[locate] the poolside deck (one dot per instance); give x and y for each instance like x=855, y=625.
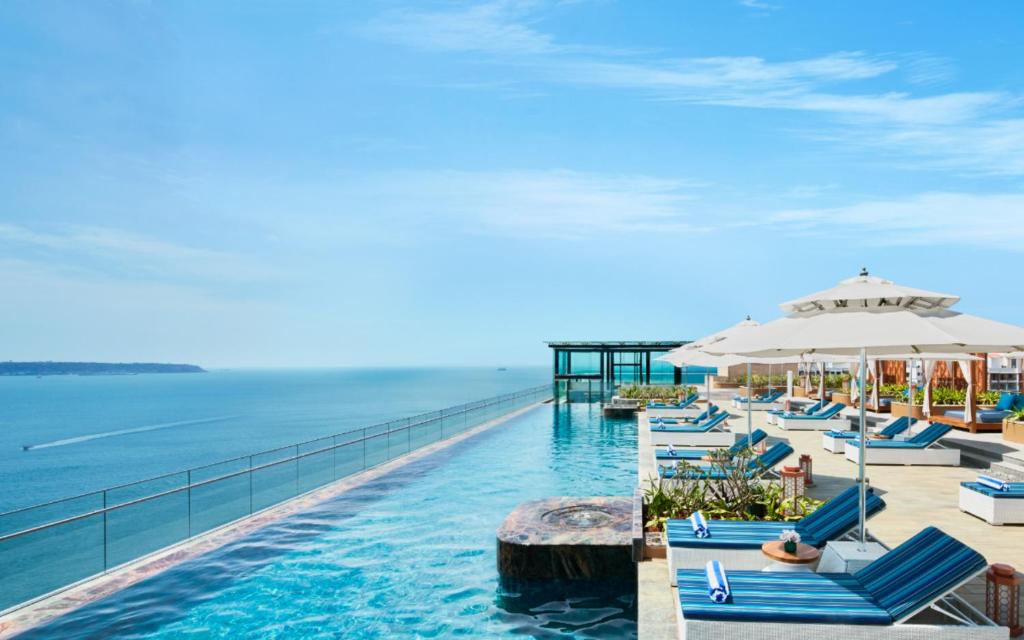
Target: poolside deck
x=924, y=496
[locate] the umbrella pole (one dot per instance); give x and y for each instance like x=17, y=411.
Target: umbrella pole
x=750, y=409
x=863, y=451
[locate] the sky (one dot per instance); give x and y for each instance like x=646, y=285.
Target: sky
x=272, y=184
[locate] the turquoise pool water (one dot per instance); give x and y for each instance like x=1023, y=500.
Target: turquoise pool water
x=409, y=555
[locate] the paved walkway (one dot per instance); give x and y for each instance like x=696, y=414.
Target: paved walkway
x=917, y=497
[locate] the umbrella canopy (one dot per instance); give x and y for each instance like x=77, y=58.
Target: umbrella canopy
x=873, y=316
x=868, y=291
x=881, y=331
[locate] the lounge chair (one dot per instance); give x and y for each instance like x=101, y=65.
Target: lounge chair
x=685, y=420
x=672, y=409
x=822, y=420
x=876, y=602
x=921, y=449
x=757, y=402
x=737, y=543
x=759, y=465
x=835, y=441
x=707, y=433
x=992, y=505
x=808, y=410
x=664, y=457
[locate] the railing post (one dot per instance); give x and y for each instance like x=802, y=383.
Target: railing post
x=189, y=484
x=250, y=484
x=105, y=554
x=334, y=457
x=296, y=458
x=364, y=448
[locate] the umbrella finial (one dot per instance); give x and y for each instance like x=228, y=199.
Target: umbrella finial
x=748, y=316
x=863, y=272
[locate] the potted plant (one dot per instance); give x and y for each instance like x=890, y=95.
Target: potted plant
x=1013, y=427
x=789, y=538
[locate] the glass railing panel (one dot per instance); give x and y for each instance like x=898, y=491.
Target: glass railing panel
x=348, y=459
x=274, y=455
x=316, y=445
x=144, y=489
x=398, y=443
x=142, y=527
x=220, y=501
x=315, y=470
x=220, y=469
x=42, y=560
x=274, y=484
x=376, y=449
x=51, y=512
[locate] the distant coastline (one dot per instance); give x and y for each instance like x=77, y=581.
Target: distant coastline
x=93, y=368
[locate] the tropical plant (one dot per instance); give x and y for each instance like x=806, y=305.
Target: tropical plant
x=948, y=395
x=655, y=391
x=1017, y=416
x=987, y=397
x=732, y=495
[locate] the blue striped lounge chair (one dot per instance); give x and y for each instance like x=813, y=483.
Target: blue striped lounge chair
x=991, y=505
x=708, y=433
x=737, y=543
x=712, y=410
x=757, y=402
x=760, y=465
x=664, y=457
x=674, y=405
x=835, y=441
x=879, y=601
x=822, y=420
x=921, y=449
x=808, y=410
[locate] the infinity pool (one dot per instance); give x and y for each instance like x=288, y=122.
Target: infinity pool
x=408, y=555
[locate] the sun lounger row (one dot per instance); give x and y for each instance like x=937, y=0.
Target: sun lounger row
x=757, y=402
x=738, y=543
x=835, y=441
x=820, y=420
x=669, y=455
x=706, y=433
x=756, y=467
x=879, y=601
x=921, y=449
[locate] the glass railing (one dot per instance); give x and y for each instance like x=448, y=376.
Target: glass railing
x=51, y=546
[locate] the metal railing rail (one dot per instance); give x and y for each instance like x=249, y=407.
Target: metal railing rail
x=44, y=557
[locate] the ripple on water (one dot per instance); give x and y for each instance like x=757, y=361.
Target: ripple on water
x=410, y=555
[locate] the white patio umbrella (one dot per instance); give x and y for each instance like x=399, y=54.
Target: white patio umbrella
x=691, y=354
x=865, y=316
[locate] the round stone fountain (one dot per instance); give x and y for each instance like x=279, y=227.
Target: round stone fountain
x=568, y=538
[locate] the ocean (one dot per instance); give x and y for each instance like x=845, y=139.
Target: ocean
x=65, y=435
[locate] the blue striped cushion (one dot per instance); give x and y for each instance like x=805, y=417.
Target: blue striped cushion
x=932, y=433
x=837, y=516
x=918, y=571
x=773, y=456
x=725, y=534
x=683, y=428
x=1016, y=490
x=756, y=436
x=696, y=454
x=781, y=597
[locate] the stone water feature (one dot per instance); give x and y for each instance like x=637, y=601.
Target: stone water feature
x=568, y=538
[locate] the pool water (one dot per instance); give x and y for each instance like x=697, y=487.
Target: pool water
x=411, y=554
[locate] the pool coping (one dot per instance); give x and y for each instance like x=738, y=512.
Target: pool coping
x=60, y=603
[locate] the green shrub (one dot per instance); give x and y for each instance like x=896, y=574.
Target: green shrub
x=655, y=391
x=987, y=397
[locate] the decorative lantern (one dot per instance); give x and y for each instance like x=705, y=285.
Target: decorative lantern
x=806, y=465
x=1002, y=597
x=792, y=488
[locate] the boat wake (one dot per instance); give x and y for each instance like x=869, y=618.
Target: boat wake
x=122, y=432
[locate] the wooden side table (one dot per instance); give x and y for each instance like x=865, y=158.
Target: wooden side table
x=804, y=559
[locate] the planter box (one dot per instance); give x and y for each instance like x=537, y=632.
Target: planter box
x=900, y=409
x=840, y=396
x=798, y=392
x=1013, y=431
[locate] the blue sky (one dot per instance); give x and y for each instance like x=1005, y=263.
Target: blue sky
x=250, y=184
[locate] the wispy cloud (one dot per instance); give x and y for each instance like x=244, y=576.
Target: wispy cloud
x=961, y=219
x=537, y=204
x=912, y=121
x=145, y=256
x=760, y=5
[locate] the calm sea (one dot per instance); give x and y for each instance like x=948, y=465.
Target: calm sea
x=87, y=433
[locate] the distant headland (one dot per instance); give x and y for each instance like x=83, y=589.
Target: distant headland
x=92, y=368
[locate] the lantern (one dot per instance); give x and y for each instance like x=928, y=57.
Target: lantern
x=1002, y=597
x=805, y=466
x=792, y=488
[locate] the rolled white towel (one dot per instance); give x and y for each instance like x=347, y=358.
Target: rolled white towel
x=993, y=483
x=670, y=450
x=699, y=524
x=718, y=583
